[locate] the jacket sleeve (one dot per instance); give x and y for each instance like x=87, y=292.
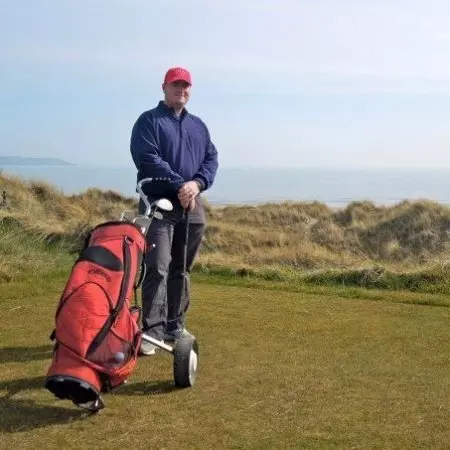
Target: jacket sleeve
x=207, y=172
x=147, y=158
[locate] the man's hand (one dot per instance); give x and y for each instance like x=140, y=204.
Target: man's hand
x=191, y=205
x=187, y=194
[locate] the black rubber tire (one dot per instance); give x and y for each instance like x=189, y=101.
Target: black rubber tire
x=185, y=363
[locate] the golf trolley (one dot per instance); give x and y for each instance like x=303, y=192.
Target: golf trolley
x=185, y=350
x=97, y=333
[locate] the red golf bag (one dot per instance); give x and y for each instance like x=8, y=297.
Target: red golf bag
x=97, y=334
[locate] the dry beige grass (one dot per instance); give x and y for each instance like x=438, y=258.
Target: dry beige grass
x=46, y=212
x=290, y=235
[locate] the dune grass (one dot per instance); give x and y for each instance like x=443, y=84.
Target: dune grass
x=403, y=246
x=278, y=369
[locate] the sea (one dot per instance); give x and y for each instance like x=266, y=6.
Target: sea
x=238, y=186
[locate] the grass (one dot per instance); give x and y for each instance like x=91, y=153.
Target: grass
x=317, y=328
x=278, y=369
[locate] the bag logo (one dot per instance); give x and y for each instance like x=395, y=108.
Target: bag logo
x=99, y=272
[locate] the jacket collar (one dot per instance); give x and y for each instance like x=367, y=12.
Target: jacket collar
x=170, y=111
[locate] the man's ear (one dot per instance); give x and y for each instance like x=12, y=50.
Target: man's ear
x=163, y=87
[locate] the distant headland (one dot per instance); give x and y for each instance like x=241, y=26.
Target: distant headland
x=27, y=161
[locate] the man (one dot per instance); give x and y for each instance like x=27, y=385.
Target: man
x=169, y=142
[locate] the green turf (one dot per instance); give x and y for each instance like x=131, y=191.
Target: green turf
x=278, y=369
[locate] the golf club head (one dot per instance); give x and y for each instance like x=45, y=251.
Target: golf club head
x=164, y=204
x=143, y=222
x=128, y=216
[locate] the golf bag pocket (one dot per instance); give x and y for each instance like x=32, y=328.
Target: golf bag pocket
x=117, y=344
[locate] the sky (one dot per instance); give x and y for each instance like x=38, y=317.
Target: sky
x=324, y=83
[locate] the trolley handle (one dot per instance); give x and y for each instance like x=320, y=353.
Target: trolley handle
x=159, y=180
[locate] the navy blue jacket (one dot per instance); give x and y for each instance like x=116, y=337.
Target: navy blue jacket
x=170, y=146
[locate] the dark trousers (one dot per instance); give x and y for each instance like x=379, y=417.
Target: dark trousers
x=163, y=304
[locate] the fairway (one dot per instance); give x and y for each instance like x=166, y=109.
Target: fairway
x=277, y=370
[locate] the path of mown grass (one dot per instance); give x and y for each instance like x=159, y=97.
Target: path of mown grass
x=278, y=369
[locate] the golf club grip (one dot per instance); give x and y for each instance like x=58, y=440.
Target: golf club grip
x=160, y=180
x=156, y=180
x=153, y=180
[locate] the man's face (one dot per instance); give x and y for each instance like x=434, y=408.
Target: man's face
x=177, y=93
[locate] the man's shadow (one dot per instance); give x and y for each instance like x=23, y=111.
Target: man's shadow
x=24, y=354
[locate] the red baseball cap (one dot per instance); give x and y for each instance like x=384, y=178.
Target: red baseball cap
x=177, y=74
